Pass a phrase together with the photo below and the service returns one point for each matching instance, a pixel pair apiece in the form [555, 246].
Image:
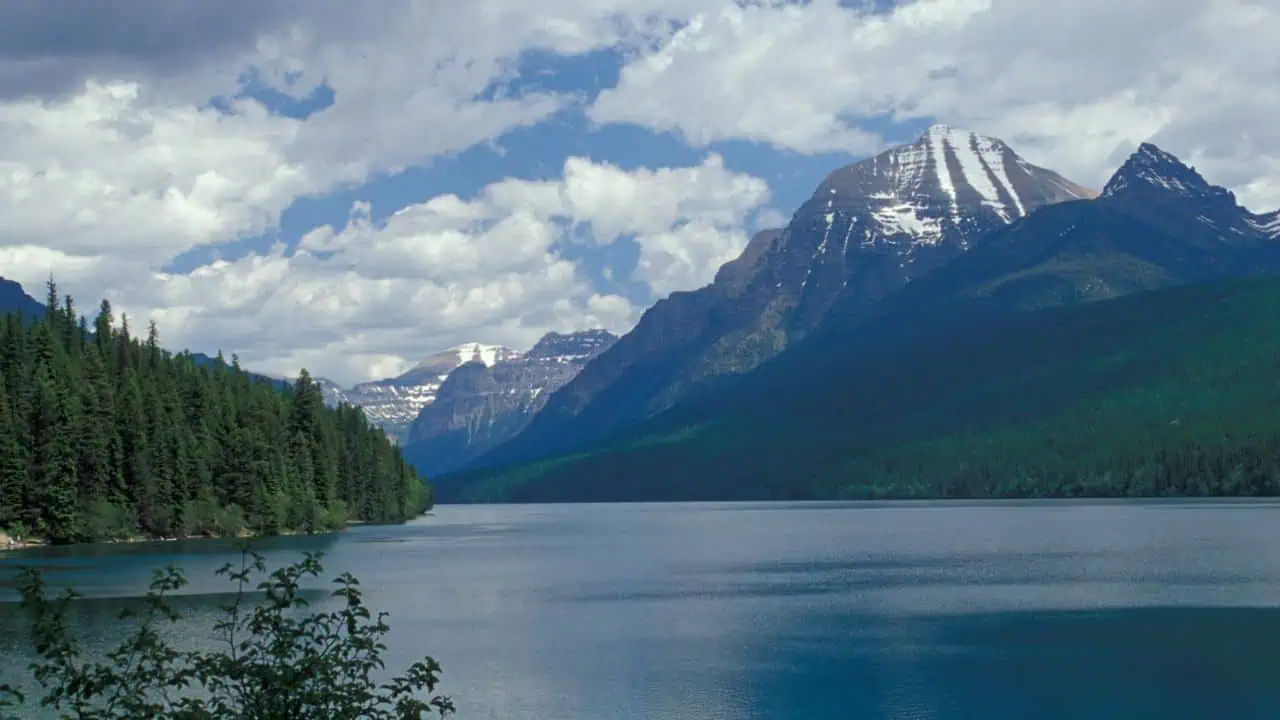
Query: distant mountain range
[514, 385]
[480, 405]
[768, 381]
[392, 404]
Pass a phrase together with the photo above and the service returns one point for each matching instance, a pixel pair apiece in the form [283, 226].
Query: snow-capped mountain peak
[393, 403]
[1154, 178]
[465, 353]
[478, 407]
[948, 179]
[957, 158]
[1151, 169]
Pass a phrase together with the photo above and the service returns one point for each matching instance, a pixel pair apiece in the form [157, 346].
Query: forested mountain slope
[1168, 392]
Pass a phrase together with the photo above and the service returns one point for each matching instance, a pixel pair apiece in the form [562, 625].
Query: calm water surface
[743, 611]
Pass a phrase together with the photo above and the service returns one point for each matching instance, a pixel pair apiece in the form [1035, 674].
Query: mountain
[1156, 223]
[1045, 323]
[480, 405]
[333, 393]
[14, 299]
[392, 404]
[1166, 392]
[869, 229]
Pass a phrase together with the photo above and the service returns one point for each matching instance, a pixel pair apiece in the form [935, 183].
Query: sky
[350, 187]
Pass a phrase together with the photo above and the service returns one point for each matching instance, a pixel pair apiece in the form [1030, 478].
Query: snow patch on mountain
[981, 164]
[1149, 168]
[473, 352]
[905, 218]
[393, 403]
[479, 407]
[935, 160]
[990, 152]
[949, 182]
[1267, 224]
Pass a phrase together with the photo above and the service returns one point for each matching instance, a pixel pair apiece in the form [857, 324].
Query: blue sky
[538, 153]
[351, 187]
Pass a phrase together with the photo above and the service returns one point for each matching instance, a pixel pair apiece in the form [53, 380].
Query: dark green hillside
[1170, 392]
[103, 435]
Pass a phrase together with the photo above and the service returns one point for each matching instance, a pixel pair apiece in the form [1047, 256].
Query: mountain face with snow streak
[393, 403]
[1157, 223]
[480, 405]
[870, 229]
[944, 184]
[873, 226]
[1268, 224]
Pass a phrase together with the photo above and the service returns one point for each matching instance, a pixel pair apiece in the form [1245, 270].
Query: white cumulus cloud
[369, 298]
[114, 163]
[1065, 83]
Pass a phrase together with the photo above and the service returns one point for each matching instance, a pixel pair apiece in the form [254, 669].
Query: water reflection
[1134, 663]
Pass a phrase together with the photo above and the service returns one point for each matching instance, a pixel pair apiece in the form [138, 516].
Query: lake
[932, 610]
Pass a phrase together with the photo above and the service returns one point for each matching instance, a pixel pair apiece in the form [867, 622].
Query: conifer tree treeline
[106, 436]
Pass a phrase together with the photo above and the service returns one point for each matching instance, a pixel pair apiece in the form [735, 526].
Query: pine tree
[13, 465]
[54, 464]
[103, 333]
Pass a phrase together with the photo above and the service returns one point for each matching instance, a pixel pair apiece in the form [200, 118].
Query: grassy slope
[1050, 402]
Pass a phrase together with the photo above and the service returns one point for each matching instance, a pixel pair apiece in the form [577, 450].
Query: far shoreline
[9, 543]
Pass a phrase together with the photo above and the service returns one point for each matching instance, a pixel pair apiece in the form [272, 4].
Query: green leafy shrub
[275, 659]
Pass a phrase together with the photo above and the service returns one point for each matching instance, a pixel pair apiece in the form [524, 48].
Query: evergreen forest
[106, 436]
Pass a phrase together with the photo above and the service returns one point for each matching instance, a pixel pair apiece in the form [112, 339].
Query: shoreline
[9, 543]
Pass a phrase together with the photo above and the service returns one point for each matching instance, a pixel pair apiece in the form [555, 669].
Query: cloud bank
[137, 135]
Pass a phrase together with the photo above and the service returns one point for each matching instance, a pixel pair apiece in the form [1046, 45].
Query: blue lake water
[742, 611]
